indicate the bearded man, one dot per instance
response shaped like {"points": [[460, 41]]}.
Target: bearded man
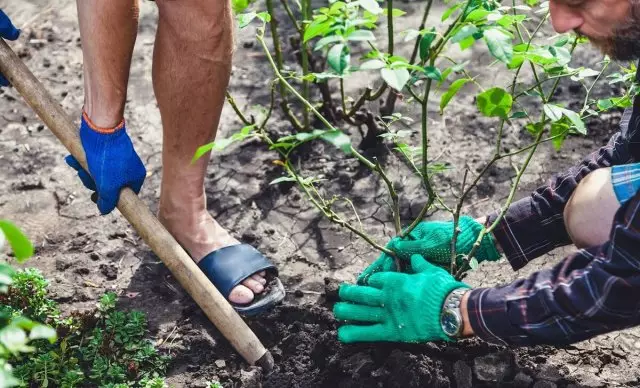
{"points": [[594, 205]]}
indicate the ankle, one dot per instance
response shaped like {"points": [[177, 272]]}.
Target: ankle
{"points": [[103, 116]]}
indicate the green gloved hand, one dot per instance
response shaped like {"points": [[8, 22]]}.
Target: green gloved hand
{"points": [[383, 263], [396, 307], [432, 240]]}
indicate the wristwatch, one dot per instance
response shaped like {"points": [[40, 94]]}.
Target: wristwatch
{"points": [[450, 317]]}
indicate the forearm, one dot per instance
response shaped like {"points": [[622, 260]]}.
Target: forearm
{"points": [[534, 225], [589, 293]]}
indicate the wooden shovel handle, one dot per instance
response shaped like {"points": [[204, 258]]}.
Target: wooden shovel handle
{"points": [[206, 295]]}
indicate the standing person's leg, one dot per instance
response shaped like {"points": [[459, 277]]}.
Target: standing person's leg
{"points": [[108, 32], [191, 70]]}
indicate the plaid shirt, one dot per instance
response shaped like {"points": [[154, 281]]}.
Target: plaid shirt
{"points": [[591, 292]]}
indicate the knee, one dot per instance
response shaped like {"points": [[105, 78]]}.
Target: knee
{"points": [[202, 26], [588, 215]]}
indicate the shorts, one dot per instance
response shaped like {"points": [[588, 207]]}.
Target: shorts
{"points": [[626, 181]]}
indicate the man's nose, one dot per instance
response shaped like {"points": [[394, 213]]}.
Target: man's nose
{"points": [[564, 18]]}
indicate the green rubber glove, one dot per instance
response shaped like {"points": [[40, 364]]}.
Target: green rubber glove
{"points": [[383, 263], [432, 240], [396, 307]]}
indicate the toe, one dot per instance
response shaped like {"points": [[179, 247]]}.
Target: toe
{"points": [[253, 285], [241, 295], [259, 279]]}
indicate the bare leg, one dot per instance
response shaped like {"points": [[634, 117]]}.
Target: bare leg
{"points": [[191, 70], [589, 213], [108, 31]]}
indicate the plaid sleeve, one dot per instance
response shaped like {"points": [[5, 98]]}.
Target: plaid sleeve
{"points": [[594, 291], [534, 225]]}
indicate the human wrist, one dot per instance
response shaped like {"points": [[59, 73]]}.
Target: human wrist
{"points": [[467, 330]]}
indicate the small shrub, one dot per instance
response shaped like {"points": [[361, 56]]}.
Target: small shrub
{"points": [[105, 348]]}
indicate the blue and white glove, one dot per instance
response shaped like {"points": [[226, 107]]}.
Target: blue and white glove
{"points": [[113, 163], [7, 31]]}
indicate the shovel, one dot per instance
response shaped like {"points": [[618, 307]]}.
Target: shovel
{"points": [[183, 268]]}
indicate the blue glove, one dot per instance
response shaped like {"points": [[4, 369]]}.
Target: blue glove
{"points": [[9, 32], [113, 164]]}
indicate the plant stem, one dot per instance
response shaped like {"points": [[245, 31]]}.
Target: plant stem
{"points": [[456, 218], [394, 197], [323, 207], [371, 166], [504, 210], [241, 116], [285, 5], [390, 25], [279, 63], [344, 103], [423, 24], [306, 14], [425, 170]]}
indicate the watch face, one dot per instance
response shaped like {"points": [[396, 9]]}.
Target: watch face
{"points": [[450, 323]]}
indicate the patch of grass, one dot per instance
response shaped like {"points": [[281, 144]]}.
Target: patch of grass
{"points": [[102, 348]]}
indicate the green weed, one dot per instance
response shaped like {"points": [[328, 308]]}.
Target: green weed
{"points": [[103, 348]]}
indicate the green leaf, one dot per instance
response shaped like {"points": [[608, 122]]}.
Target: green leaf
{"points": [[467, 42], [519, 115], [371, 6], [316, 28], [264, 16], [576, 120], [453, 89], [14, 339], [282, 179], [425, 44], [561, 41], [327, 40], [464, 32], [605, 104], [561, 54], [554, 112], [450, 11], [396, 78], [361, 36], [535, 129], [373, 64], [239, 5], [338, 139], [473, 263], [411, 34], [477, 14], [499, 45], [7, 379], [20, 244], [560, 130], [245, 18], [43, 332], [339, 58], [221, 144], [394, 12], [495, 102], [433, 73]]}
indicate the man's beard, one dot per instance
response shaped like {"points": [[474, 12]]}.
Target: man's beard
{"points": [[624, 44]]}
